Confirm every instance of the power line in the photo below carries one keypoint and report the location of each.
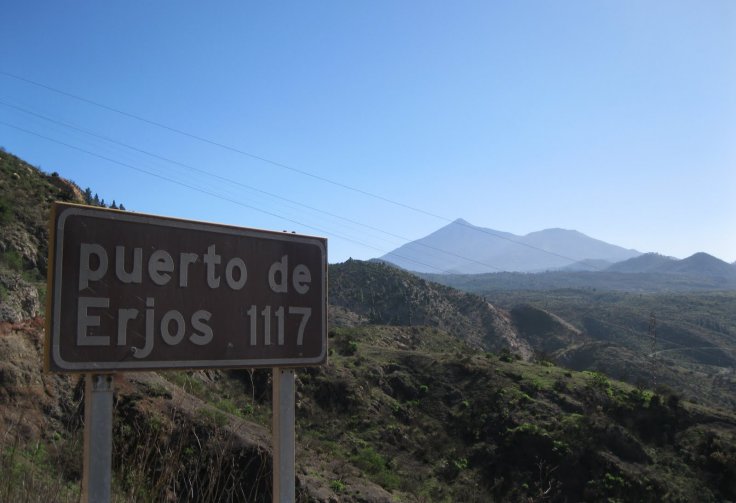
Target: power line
(240, 184)
(652, 324)
(282, 165)
(219, 144)
(203, 191)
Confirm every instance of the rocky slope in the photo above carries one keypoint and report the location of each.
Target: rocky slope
(387, 295)
(411, 407)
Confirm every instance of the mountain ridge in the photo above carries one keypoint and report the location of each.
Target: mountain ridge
(648, 262)
(698, 264)
(463, 248)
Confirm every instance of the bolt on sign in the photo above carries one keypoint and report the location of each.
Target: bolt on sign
(139, 292)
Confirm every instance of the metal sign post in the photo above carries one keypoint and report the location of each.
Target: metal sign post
(284, 444)
(97, 474)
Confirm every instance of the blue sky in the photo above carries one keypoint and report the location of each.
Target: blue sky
(382, 121)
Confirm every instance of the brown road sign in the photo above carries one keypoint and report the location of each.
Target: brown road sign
(139, 292)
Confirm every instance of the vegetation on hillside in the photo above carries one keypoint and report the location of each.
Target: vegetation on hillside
(412, 406)
(26, 194)
(683, 341)
(399, 414)
(386, 295)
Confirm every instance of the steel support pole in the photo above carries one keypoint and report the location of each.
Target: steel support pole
(284, 444)
(97, 473)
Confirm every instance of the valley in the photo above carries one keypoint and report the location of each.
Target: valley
(471, 392)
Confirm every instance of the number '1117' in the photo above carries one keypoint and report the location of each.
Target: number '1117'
(268, 315)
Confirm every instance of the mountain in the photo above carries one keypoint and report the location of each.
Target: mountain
(411, 406)
(584, 329)
(650, 272)
(384, 294)
(648, 262)
(699, 265)
(462, 248)
(702, 264)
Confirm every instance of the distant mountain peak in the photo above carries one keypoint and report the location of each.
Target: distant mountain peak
(464, 248)
(555, 230)
(703, 264)
(647, 262)
(702, 256)
(699, 264)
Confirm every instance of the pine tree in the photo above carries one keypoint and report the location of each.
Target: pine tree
(88, 196)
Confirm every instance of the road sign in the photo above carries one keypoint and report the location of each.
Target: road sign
(140, 292)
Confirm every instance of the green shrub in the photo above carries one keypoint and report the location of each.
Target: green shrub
(227, 405)
(337, 485)
(505, 356)
(6, 211)
(373, 464)
(12, 260)
(352, 348)
(460, 463)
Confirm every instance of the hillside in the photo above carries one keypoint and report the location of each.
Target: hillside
(399, 414)
(26, 194)
(411, 407)
(694, 351)
(462, 248)
(648, 262)
(386, 295)
(583, 329)
(703, 264)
